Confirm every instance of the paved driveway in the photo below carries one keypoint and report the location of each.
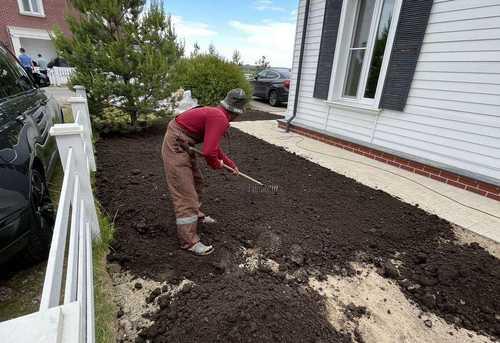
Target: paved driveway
(261, 105)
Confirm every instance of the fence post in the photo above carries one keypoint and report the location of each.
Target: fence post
(69, 138)
(72, 136)
(80, 91)
(81, 113)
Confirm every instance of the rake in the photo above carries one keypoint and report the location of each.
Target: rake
(256, 187)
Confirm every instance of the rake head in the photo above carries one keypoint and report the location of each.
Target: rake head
(263, 189)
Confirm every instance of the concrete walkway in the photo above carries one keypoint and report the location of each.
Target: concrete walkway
(466, 209)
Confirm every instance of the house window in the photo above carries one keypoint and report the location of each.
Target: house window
(31, 7)
(366, 40)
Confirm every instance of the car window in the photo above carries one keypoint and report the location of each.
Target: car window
(285, 74)
(272, 75)
(262, 74)
(13, 79)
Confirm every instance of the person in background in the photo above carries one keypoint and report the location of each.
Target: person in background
(26, 62)
(58, 62)
(42, 64)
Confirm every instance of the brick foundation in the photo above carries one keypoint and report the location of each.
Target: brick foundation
(463, 182)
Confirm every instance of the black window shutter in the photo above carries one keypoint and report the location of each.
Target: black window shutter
(410, 32)
(331, 20)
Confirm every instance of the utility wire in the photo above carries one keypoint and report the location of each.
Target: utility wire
(301, 139)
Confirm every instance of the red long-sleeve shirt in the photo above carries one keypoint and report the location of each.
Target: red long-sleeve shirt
(209, 124)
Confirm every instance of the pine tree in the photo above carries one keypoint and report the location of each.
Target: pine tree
(122, 53)
(236, 59)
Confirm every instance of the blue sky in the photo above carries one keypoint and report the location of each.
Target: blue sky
(254, 27)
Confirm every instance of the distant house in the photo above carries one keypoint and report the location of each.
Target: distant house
(29, 23)
(415, 84)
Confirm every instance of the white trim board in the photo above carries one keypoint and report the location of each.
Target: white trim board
(26, 32)
(16, 33)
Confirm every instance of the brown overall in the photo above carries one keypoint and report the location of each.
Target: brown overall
(184, 182)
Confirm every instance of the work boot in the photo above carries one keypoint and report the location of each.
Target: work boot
(201, 249)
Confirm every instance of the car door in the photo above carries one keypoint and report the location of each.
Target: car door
(16, 130)
(258, 84)
(18, 93)
(38, 113)
(270, 77)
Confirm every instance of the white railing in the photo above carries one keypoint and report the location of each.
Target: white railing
(59, 76)
(69, 318)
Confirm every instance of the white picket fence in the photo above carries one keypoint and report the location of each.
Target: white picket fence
(67, 317)
(59, 76)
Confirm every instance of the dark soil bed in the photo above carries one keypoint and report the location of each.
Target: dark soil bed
(330, 221)
(257, 115)
(243, 308)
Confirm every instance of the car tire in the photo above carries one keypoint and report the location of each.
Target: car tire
(273, 98)
(40, 235)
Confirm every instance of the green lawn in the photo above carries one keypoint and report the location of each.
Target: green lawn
(105, 308)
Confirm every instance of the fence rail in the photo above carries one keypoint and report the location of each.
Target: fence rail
(70, 319)
(59, 76)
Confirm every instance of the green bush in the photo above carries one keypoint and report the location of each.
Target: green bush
(114, 120)
(209, 78)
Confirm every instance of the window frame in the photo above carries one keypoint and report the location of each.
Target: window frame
(275, 74)
(22, 11)
(260, 74)
(345, 36)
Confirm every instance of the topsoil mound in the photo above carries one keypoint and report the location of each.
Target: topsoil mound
(328, 219)
(243, 308)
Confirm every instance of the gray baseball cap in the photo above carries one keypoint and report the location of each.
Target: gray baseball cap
(235, 101)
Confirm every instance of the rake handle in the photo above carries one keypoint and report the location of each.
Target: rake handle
(248, 177)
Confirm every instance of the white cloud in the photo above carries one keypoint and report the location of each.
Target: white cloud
(187, 29)
(271, 39)
(267, 5)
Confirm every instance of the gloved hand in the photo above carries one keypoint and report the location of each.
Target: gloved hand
(236, 171)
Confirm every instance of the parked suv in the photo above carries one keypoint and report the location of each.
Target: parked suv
(27, 156)
(272, 84)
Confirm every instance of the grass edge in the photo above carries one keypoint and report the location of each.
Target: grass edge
(104, 306)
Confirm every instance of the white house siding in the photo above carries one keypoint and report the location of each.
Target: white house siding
(452, 116)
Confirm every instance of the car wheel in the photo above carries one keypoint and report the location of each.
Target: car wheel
(43, 221)
(273, 98)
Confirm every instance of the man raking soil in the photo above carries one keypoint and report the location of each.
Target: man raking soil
(184, 179)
